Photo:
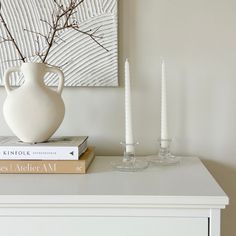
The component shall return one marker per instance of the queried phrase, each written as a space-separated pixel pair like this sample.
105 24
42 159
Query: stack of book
58 155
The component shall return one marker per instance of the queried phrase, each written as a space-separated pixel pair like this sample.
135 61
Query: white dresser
181 200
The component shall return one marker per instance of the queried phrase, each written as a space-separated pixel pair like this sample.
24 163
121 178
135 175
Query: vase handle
6 77
61 77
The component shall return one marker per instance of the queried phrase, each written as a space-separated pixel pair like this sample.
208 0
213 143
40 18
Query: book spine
40 167
48 167
40 153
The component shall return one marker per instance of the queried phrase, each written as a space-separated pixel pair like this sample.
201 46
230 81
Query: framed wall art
87 59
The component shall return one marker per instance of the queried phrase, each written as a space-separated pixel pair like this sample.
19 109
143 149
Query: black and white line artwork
83 61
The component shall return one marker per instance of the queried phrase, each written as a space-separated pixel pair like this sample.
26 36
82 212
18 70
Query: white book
61 148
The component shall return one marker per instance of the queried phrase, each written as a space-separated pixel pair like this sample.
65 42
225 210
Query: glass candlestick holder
164 157
129 162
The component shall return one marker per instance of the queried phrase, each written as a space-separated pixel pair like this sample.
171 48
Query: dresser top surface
188 182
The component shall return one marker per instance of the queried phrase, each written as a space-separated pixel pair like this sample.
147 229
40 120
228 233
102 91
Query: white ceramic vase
34 111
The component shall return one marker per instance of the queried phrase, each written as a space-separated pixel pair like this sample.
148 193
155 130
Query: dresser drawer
104 226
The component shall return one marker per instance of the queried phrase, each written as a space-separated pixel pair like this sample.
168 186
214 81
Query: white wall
198 41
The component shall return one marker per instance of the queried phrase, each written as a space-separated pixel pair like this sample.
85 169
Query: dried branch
44 21
92 36
37 33
10 36
19 59
95 31
60 39
62 18
56 26
5 41
38 49
59 5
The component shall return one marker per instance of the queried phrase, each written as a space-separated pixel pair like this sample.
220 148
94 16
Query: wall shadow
225 175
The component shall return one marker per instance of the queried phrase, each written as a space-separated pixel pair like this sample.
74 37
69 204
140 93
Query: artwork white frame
83 62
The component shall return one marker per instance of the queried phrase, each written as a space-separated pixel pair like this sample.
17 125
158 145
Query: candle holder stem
164 157
129 162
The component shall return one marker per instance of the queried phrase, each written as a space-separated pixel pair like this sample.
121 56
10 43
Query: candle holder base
129 162
164 157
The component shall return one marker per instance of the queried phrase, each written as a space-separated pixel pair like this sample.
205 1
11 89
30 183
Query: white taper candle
164 128
128 111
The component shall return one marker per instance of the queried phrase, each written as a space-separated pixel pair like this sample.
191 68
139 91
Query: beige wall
198 41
